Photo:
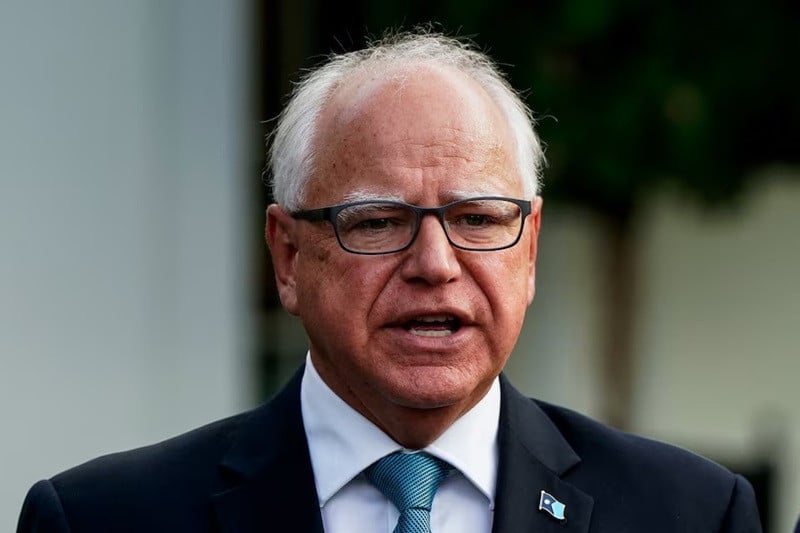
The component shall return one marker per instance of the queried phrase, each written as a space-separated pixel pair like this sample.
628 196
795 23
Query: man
405 237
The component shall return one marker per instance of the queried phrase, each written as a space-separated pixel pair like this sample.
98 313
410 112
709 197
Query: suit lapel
533 457
268 470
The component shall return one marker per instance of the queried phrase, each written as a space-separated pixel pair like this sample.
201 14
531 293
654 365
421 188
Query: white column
122 259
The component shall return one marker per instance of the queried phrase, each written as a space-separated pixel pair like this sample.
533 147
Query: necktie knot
409 481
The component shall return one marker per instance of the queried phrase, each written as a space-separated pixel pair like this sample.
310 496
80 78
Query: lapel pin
551 506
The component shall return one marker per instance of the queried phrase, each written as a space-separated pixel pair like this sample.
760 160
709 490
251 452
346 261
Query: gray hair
291 157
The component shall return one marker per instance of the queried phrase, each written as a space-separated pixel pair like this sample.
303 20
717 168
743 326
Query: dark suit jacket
252 473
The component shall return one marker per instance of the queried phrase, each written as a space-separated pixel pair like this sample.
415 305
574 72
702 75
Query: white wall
720 335
121 241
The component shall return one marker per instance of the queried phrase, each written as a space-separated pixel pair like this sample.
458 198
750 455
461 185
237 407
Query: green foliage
632 95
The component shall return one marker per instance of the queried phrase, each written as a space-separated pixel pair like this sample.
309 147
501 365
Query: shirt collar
342 442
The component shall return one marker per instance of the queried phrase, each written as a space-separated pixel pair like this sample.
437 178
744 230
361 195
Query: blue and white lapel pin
552 506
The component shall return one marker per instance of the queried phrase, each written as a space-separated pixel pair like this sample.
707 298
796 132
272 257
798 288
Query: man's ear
534 221
280 232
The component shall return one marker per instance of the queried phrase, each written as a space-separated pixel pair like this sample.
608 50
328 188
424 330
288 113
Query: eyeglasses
484 224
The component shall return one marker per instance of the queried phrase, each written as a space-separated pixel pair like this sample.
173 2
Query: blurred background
136 297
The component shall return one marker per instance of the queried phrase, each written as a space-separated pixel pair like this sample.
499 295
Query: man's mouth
433 326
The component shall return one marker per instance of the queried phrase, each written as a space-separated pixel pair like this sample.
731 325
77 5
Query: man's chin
432 394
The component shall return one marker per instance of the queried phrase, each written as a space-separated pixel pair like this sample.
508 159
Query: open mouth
433 326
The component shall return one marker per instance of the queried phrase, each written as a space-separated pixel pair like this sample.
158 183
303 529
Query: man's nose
431 257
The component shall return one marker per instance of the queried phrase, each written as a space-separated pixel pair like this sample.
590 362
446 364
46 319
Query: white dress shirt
343 443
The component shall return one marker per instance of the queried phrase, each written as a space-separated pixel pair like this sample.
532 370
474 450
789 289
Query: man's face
429 327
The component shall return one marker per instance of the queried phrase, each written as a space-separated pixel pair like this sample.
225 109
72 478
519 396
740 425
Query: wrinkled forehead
413 116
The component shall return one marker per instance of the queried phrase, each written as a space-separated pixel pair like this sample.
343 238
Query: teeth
433 325
431 332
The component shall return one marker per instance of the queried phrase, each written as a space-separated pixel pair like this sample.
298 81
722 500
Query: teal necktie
409 481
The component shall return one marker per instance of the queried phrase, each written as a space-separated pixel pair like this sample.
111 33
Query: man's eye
476 220
373 224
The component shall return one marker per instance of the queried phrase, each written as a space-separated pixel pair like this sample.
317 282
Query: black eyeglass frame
329 214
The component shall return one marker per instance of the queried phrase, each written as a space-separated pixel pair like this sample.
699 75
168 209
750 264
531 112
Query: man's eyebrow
453 196
369 196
